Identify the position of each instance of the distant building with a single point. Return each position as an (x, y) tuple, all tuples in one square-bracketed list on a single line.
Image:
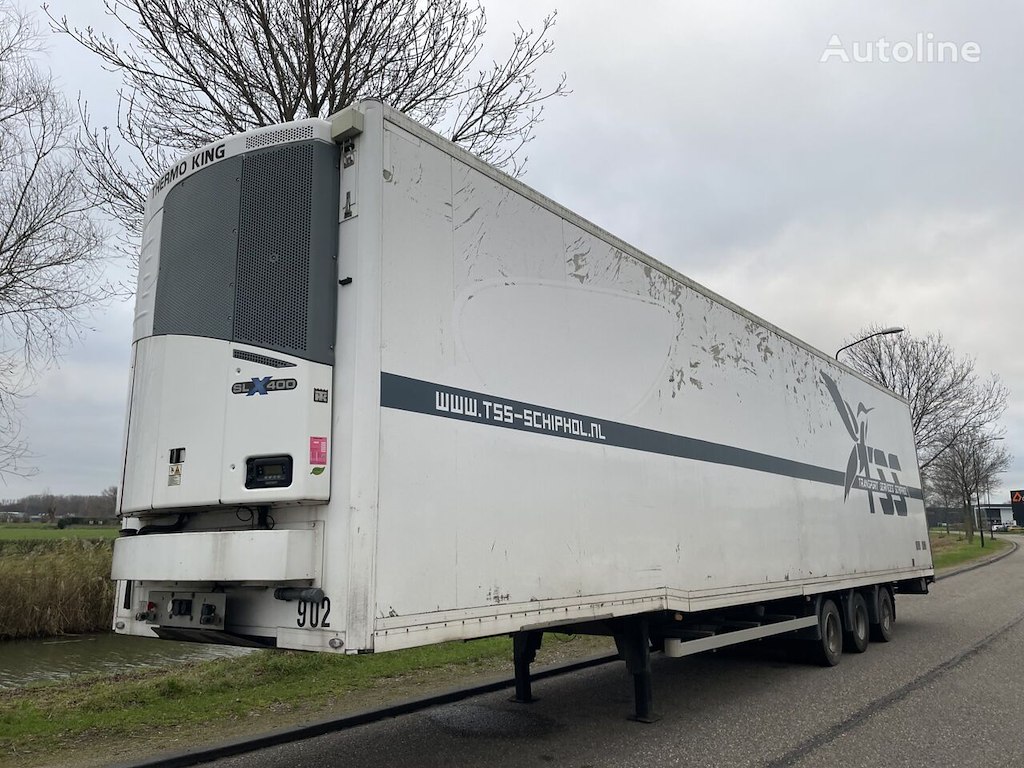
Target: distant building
[(991, 513)]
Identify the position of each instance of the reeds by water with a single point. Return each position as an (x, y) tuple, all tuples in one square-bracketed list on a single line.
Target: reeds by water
[(54, 588)]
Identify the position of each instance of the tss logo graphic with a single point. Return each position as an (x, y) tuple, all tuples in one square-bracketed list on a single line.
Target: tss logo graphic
[(263, 386), (866, 460)]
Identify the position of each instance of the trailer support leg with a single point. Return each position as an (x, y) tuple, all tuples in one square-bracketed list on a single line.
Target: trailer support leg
[(524, 650), (634, 643)]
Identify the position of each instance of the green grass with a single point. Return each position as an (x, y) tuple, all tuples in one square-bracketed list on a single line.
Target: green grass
[(214, 690), (46, 532), (266, 689), (953, 548)]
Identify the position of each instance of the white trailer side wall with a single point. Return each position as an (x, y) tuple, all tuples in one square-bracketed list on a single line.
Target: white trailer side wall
[(724, 460)]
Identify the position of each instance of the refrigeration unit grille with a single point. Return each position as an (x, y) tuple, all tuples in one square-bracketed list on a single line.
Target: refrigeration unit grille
[(248, 251), (272, 300), (278, 137)]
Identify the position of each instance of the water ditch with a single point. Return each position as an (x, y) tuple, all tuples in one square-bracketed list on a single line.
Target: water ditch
[(60, 658)]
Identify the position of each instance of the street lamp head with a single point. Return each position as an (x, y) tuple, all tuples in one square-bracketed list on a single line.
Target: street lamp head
[(883, 332)]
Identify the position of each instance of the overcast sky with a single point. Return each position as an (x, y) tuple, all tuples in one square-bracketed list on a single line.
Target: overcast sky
[(822, 196)]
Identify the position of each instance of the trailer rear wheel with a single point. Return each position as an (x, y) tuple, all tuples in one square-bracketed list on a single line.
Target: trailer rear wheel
[(856, 635), (827, 650), (882, 631)]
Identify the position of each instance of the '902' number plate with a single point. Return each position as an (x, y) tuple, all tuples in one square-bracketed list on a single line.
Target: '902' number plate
[(314, 615)]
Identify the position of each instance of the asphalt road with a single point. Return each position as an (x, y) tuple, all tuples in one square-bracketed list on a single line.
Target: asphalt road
[(948, 691)]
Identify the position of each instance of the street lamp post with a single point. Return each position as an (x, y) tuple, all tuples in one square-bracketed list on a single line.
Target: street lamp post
[(981, 523), (883, 332)]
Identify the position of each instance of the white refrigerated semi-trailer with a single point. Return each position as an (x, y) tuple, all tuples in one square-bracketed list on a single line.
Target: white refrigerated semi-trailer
[(383, 395)]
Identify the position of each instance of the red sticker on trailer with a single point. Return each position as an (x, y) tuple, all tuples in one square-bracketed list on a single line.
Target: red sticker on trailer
[(318, 451)]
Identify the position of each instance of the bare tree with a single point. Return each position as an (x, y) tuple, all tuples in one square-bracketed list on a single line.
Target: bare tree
[(95, 506), (948, 399), (967, 467), (195, 70), (50, 244)]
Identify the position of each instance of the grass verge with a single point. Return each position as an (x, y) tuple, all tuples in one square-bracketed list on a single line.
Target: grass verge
[(72, 724), (949, 549), (33, 532)]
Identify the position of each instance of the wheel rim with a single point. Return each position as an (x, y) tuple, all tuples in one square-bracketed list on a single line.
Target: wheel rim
[(862, 623), (886, 617), (832, 633)]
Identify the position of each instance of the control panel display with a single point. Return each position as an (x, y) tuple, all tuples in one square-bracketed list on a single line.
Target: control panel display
[(268, 472)]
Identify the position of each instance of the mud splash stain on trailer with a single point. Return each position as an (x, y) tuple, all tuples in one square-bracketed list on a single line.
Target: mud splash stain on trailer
[(468, 219), (716, 354), (663, 288), (606, 271), (763, 336), (496, 596), (579, 253), (678, 376), (741, 362), (619, 258)]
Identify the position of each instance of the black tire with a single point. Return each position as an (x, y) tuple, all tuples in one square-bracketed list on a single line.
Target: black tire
[(855, 638), (828, 650), (882, 631)]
